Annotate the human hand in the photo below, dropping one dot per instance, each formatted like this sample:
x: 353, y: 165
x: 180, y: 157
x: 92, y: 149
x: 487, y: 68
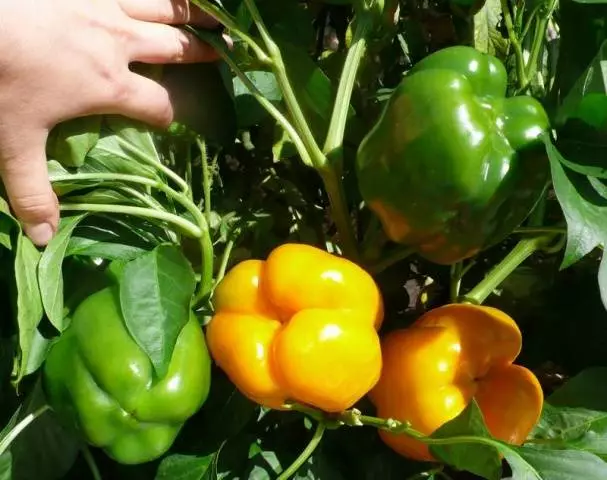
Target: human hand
x: 68, y: 58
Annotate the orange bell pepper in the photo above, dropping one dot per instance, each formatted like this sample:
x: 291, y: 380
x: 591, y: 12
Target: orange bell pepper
x: 300, y: 326
x: 433, y: 369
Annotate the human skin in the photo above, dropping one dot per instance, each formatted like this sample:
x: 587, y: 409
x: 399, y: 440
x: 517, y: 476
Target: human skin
x: 63, y: 59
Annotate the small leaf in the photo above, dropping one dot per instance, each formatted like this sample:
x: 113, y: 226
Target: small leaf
x: 476, y: 458
x: 70, y: 141
x: 186, y: 467
x: 29, y: 303
x: 50, y: 274
x: 89, y: 247
x: 155, y: 296
x: 586, y: 226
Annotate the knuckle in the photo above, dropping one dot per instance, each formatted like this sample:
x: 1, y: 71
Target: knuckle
x: 35, y: 206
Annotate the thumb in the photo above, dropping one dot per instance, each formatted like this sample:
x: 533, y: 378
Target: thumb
x: 25, y: 177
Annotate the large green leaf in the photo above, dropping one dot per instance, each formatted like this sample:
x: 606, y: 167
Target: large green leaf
x: 155, y: 297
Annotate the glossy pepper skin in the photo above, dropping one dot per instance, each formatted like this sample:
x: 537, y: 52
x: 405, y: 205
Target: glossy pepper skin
x: 452, y: 166
x: 299, y: 326
x: 97, y: 379
x: 434, y: 368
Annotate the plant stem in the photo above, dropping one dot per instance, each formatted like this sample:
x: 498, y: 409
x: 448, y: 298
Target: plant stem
x: 539, y: 230
x: 22, y: 425
x: 280, y: 71
x: 230, y: 23
x: 516, y: 44
x: 523, y: 249
x: 206, y: 178
x: 308, y: 451
x: 263, y: 101
x: 185, y: 225
x: 538, y: 40
x: 224, y: 261
x: 339, y: 210
x: 456, y: 281
x: 154, y: 163
x: 339, y: 117
x: 90, y: 461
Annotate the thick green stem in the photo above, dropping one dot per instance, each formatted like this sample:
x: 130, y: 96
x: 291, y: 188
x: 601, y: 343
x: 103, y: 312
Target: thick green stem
x: 223, y: 266
x: 516, y: 45
x: 538, y: 40
x: 339, y: 117
x: 17, y: 429
x: 289, y: 97
x: 339, y: 211
x: 523, y: 250
x: 184, y: 225
x: 307, y: 453
x: 263, y: 101
x: 456, y: 281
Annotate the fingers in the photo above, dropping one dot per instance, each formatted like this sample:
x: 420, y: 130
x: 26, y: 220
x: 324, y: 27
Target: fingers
x: 25, y: 177
x: 142, y: 99
x: 172, y: 12
x: 158, y: 43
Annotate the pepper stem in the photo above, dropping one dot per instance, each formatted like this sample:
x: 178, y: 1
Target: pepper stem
x: 307, y: 453
x: 523, y: 250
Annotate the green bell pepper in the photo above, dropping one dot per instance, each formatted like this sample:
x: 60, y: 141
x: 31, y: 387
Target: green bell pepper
x: 98, y: 380
x: 452, y: 166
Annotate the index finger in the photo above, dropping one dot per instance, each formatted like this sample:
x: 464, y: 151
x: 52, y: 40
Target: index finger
x: 170, y: 12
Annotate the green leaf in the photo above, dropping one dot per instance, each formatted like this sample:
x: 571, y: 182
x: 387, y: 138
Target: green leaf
x: 155, y: 295
x: 584, y: 210
x: 29, y: 303
x: 110, y: 155
x: 487, y: 37
x: 587, y: 389
x: 103, y: 196
x: 137, y: 136
x: 70, y: 141
x: 50, y: 274
x: 534, y: 463
x: 90, y: 247
x: 249, y: 111
x: 186, y: 467
x: 572, y: 428
x: 477, y: 458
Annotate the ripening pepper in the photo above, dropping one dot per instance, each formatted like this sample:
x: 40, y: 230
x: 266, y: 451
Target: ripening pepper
x: 451, y: 354
x: 299, y: 326
x: 452, y: 166
x: 99, y: 381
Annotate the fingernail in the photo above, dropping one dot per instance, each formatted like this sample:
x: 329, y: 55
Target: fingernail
x: 40, y: 234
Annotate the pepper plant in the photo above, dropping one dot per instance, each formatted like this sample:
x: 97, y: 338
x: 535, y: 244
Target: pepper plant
x: 369, y: 246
